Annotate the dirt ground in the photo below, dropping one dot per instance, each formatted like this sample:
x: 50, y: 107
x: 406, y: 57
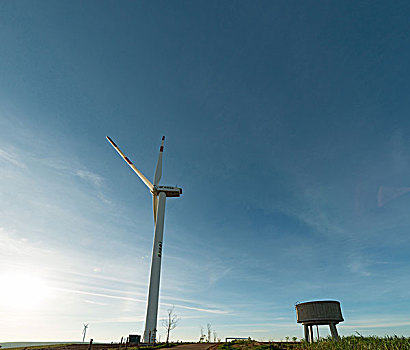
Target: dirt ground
x: 202, y: 346
x: 69, y: 347
x: 115, y: 346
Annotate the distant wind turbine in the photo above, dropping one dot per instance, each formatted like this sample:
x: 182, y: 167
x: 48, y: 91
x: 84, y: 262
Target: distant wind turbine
x: 85, y: 330
x: 159, y: 194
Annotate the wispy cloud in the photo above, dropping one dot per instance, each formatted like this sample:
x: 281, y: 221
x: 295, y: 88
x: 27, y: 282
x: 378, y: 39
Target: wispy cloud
x: 101, y: 277
x: 17, y: 247
x: 100, y: 295
x: 94, y: 302
x: 217, y: 274
x: 67, y: 167
x: 11, y: 157
x: 387, y: 194
x: 250, y: 325
x: 359, y: 265
x: 208, y: 310
x: 93, y: 178
x: 75, y: 170
x: 376, y: 323
x: 128, y: 298
x: 123, y: 319
x: 78, y: 171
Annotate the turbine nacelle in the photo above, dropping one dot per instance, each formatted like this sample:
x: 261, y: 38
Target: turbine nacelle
x: 170, y: 191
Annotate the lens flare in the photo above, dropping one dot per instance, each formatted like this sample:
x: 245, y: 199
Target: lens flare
x: 22, y: 291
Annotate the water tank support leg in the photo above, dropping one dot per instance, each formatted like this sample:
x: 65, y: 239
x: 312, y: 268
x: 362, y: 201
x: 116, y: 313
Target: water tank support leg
x: 306, y: 329
x: 311, y: 334
x: 333, y: 330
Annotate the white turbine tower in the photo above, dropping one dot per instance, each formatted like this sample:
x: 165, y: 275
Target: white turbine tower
x: 159, y: 194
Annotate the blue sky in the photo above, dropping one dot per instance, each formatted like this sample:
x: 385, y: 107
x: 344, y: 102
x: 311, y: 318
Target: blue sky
x: 286, y: 125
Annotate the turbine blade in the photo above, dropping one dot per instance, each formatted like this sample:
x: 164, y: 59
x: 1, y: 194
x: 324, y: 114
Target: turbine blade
x: 133, y: 167
x: 155, y: 207
x: 158, y: 169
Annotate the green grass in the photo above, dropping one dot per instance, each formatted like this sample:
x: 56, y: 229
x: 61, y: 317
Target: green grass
x: 159, y: 346
x: 248, y: 344
x: 48, y: 346
x: 358, y: 343
x: 345, y: 343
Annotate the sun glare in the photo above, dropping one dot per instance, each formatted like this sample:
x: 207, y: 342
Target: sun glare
x: 22, y: 291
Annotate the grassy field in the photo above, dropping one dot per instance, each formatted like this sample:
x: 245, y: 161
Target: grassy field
x: 37, y: 347
x: 148, y: 347
x: 345, y: 343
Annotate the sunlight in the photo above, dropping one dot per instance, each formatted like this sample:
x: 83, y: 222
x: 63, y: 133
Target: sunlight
x: 22, y: 291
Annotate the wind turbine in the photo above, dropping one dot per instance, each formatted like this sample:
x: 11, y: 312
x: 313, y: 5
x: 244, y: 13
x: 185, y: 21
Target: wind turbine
x: 159, y: 195
x: 85, y: 330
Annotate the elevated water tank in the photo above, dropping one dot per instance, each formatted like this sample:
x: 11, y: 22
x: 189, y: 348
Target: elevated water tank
x: 316, y: 312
